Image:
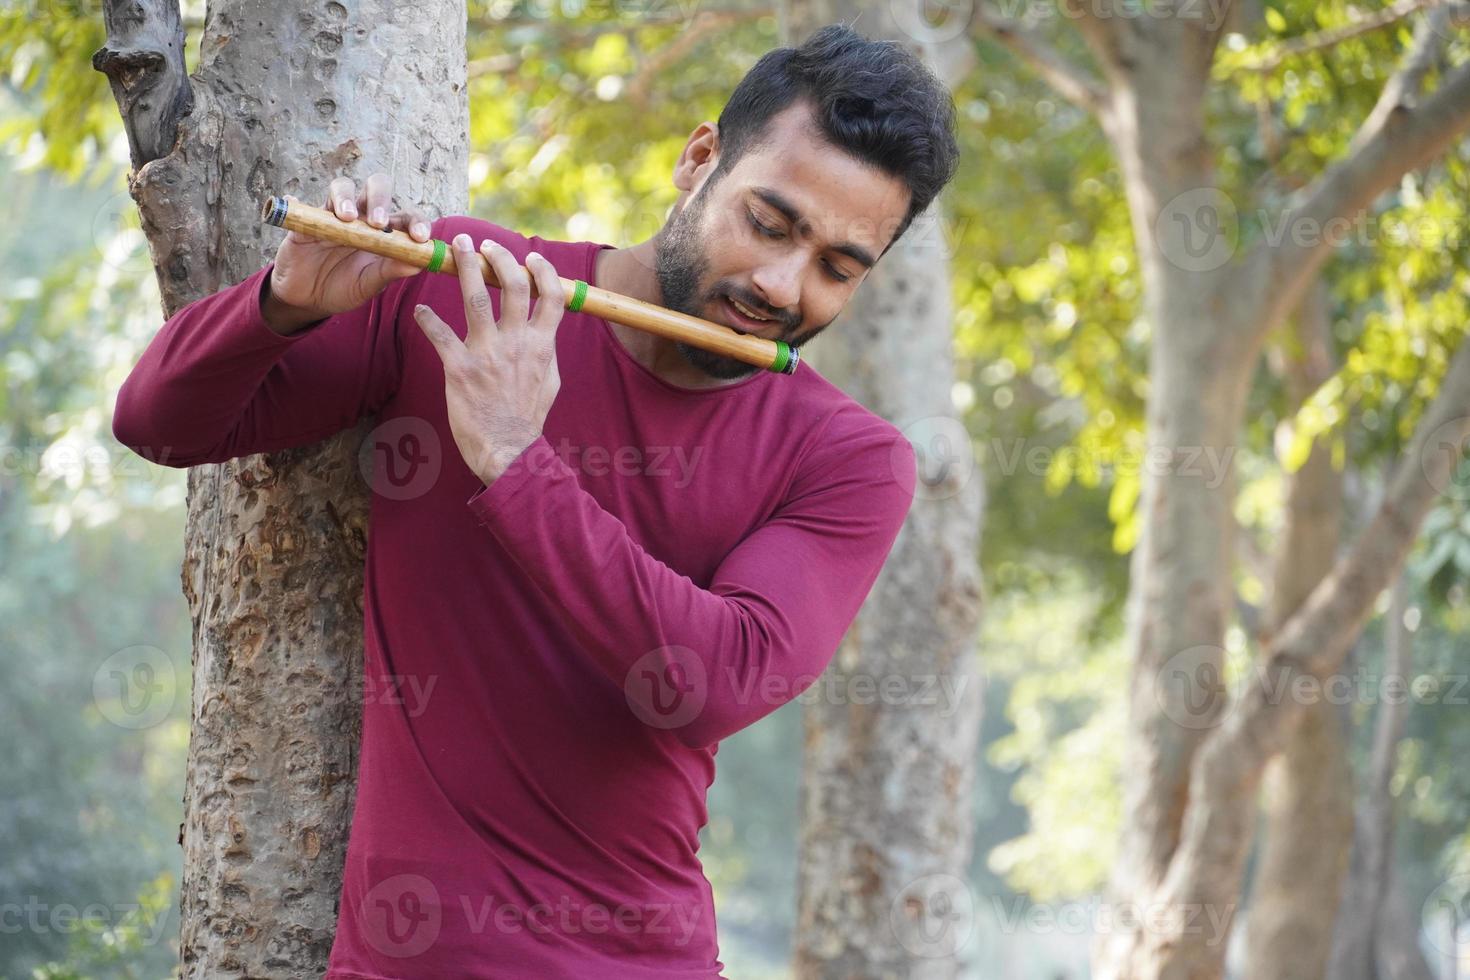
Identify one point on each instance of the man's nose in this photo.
(779, 284)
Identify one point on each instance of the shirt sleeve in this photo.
(706, 663)
(216, 382)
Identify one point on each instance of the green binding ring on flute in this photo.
(579, 296)
(783, 358)
(440, 250)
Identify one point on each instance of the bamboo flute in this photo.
(437, 256)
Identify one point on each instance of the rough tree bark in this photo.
(285, 97)
(886, 793)
(1193, 760)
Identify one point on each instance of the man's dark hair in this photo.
(872, 99)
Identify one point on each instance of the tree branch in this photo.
(1070, 81)
(1398, 136)
(1110, 29)
(1318, 40)
(143, 59)
(704, 24)
(1403, 86)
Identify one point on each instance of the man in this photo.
(590, 583)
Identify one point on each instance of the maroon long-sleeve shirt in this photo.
(549, 660)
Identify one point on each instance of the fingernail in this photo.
(462, 243)
(421, 229)
(349, 210)
(380, 216)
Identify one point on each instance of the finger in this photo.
(379, 199)
(397, 268)
(412, 222)
(479, 314)
(341, 199)
(551, 294)
(440, 334)
(515, 285)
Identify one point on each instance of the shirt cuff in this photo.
(534, 473)
(254, 286)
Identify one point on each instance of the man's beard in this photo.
(680, 262)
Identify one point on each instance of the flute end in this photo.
(787, 358)
(273, 211)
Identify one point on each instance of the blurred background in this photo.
(578, 112)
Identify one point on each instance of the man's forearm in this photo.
(774, 611)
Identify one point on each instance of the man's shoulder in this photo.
(836, 413)
(849, 439)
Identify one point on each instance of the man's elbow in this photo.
(132, 428)
(699, 735)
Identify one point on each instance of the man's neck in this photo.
(630, 271)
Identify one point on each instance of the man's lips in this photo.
(740, 321)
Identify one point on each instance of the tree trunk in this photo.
(286, 97)
(887, 782)
(1180, 590)
(1308, 820)
(1193, 759)
(1377, 938)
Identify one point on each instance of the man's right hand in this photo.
(313, 279)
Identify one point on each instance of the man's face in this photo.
(789, 234)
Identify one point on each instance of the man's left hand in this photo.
(500, 381)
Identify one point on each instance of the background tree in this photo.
(1190, 777)
(886, 816)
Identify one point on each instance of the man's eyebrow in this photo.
(852, 250)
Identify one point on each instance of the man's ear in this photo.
(701, 155)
